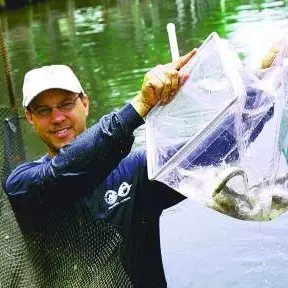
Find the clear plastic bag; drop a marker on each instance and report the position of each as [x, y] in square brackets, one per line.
[217, 142]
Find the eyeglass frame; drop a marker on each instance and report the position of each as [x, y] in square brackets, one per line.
[59, 107]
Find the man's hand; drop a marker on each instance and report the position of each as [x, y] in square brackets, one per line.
[269, 58]
[161, 84]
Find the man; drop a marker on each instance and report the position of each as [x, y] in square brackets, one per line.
[88, 202]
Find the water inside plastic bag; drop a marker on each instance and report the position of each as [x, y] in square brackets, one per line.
[217, 142]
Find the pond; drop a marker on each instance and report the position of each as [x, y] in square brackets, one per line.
[110, 45]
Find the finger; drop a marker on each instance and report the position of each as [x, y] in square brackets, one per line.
[156, 80]
[171, 97]
[183, 77]
[178, 64]
[171, 84]
[157, 86]
[175, 82]
[173, 76]
[269, 58]
[166, 91]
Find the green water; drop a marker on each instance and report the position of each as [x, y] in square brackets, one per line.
[110, 45]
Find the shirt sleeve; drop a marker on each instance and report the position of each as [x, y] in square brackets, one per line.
[86, 161]
[152, 196]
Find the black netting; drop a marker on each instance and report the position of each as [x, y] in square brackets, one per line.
[13, 147]
[70, 250]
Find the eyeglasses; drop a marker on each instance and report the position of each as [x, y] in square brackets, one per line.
[46, 111]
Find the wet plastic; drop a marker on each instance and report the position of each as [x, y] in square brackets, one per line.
[179, 134]
[218, 140]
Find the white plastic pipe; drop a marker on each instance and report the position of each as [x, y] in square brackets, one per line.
[173, 41]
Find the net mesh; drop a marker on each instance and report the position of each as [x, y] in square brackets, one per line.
[70, 250]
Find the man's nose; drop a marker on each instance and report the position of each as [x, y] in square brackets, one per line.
[57, 115]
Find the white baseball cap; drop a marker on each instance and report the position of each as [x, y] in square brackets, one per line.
[49, 77]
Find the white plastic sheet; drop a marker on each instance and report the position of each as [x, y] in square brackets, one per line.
[218, 141]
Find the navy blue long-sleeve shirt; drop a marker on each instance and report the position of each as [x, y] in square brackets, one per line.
[93, 176]
[96, 177]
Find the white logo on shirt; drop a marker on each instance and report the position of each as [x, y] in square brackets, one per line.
[112, 196]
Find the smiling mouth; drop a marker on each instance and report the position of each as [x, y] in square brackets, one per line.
[61, 133]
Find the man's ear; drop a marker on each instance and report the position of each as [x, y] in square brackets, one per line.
[28, 116]
[85, 102]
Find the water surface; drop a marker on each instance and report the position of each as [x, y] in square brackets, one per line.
[110, 45]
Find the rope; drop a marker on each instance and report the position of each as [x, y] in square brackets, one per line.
[7, 70]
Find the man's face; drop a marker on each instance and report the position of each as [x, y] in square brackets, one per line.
[64, 123]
